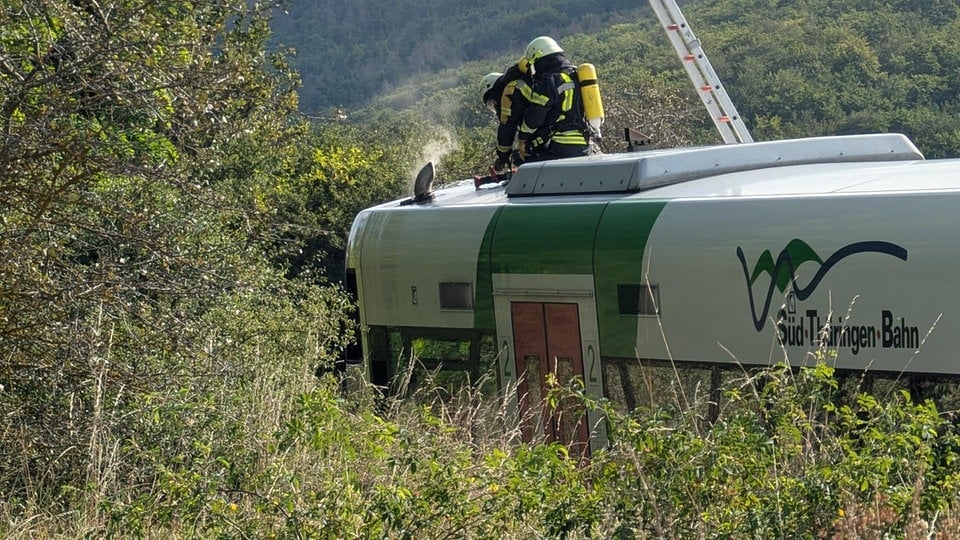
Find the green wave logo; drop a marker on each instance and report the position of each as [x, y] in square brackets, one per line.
[796, 251]
[783, 269]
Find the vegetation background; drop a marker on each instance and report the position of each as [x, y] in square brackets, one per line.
[175, 196]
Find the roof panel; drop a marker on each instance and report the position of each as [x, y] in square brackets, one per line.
[646, 170]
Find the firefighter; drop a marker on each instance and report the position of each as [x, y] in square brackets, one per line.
[553, 124]
[506, 95]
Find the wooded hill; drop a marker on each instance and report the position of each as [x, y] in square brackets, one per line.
[799, 68]
[348, 51]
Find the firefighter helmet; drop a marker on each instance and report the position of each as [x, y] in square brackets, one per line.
[487, 83]
[541, 47]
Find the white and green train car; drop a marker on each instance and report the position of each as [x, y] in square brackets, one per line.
[749, 254]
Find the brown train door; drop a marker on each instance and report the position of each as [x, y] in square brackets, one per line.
[547, 340]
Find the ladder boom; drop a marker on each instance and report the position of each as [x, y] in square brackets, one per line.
[714, 96]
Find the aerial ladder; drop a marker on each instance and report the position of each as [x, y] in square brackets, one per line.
[705, 80]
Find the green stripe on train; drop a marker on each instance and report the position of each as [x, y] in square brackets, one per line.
[483, 317]
[621, 241]
[542, 239]
[554, 239]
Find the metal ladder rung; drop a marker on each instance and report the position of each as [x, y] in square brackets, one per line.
[714, 96]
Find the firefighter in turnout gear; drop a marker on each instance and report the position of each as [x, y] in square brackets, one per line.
[506, 94]
[553, 123]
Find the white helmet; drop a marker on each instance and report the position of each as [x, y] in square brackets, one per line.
[487, 83]
[540, 47]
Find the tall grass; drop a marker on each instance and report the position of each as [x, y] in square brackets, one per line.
[279, 453]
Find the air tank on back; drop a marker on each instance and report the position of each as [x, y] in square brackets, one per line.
[590, 90]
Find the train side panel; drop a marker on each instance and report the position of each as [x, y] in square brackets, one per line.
[866, 274]
[418, 266]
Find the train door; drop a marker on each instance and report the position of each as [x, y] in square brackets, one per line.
[547, 327]
[547, 346]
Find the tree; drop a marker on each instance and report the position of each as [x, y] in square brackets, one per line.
[128, 134]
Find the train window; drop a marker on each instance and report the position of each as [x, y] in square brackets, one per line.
[638, 298]
[456, 295]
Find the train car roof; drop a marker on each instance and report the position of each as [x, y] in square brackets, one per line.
[798, 167]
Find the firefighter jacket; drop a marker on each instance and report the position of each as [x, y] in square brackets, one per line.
[513, 89]
[554, 115]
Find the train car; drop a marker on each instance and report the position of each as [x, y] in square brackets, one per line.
[747, 254]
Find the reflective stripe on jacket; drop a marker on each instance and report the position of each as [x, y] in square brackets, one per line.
[513, 101]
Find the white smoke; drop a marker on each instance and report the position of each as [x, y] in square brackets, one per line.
[443, 143]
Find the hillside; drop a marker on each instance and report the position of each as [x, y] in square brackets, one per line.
[802, 68]
[347, 51]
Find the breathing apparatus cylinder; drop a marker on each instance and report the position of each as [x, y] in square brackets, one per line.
[590, 91]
